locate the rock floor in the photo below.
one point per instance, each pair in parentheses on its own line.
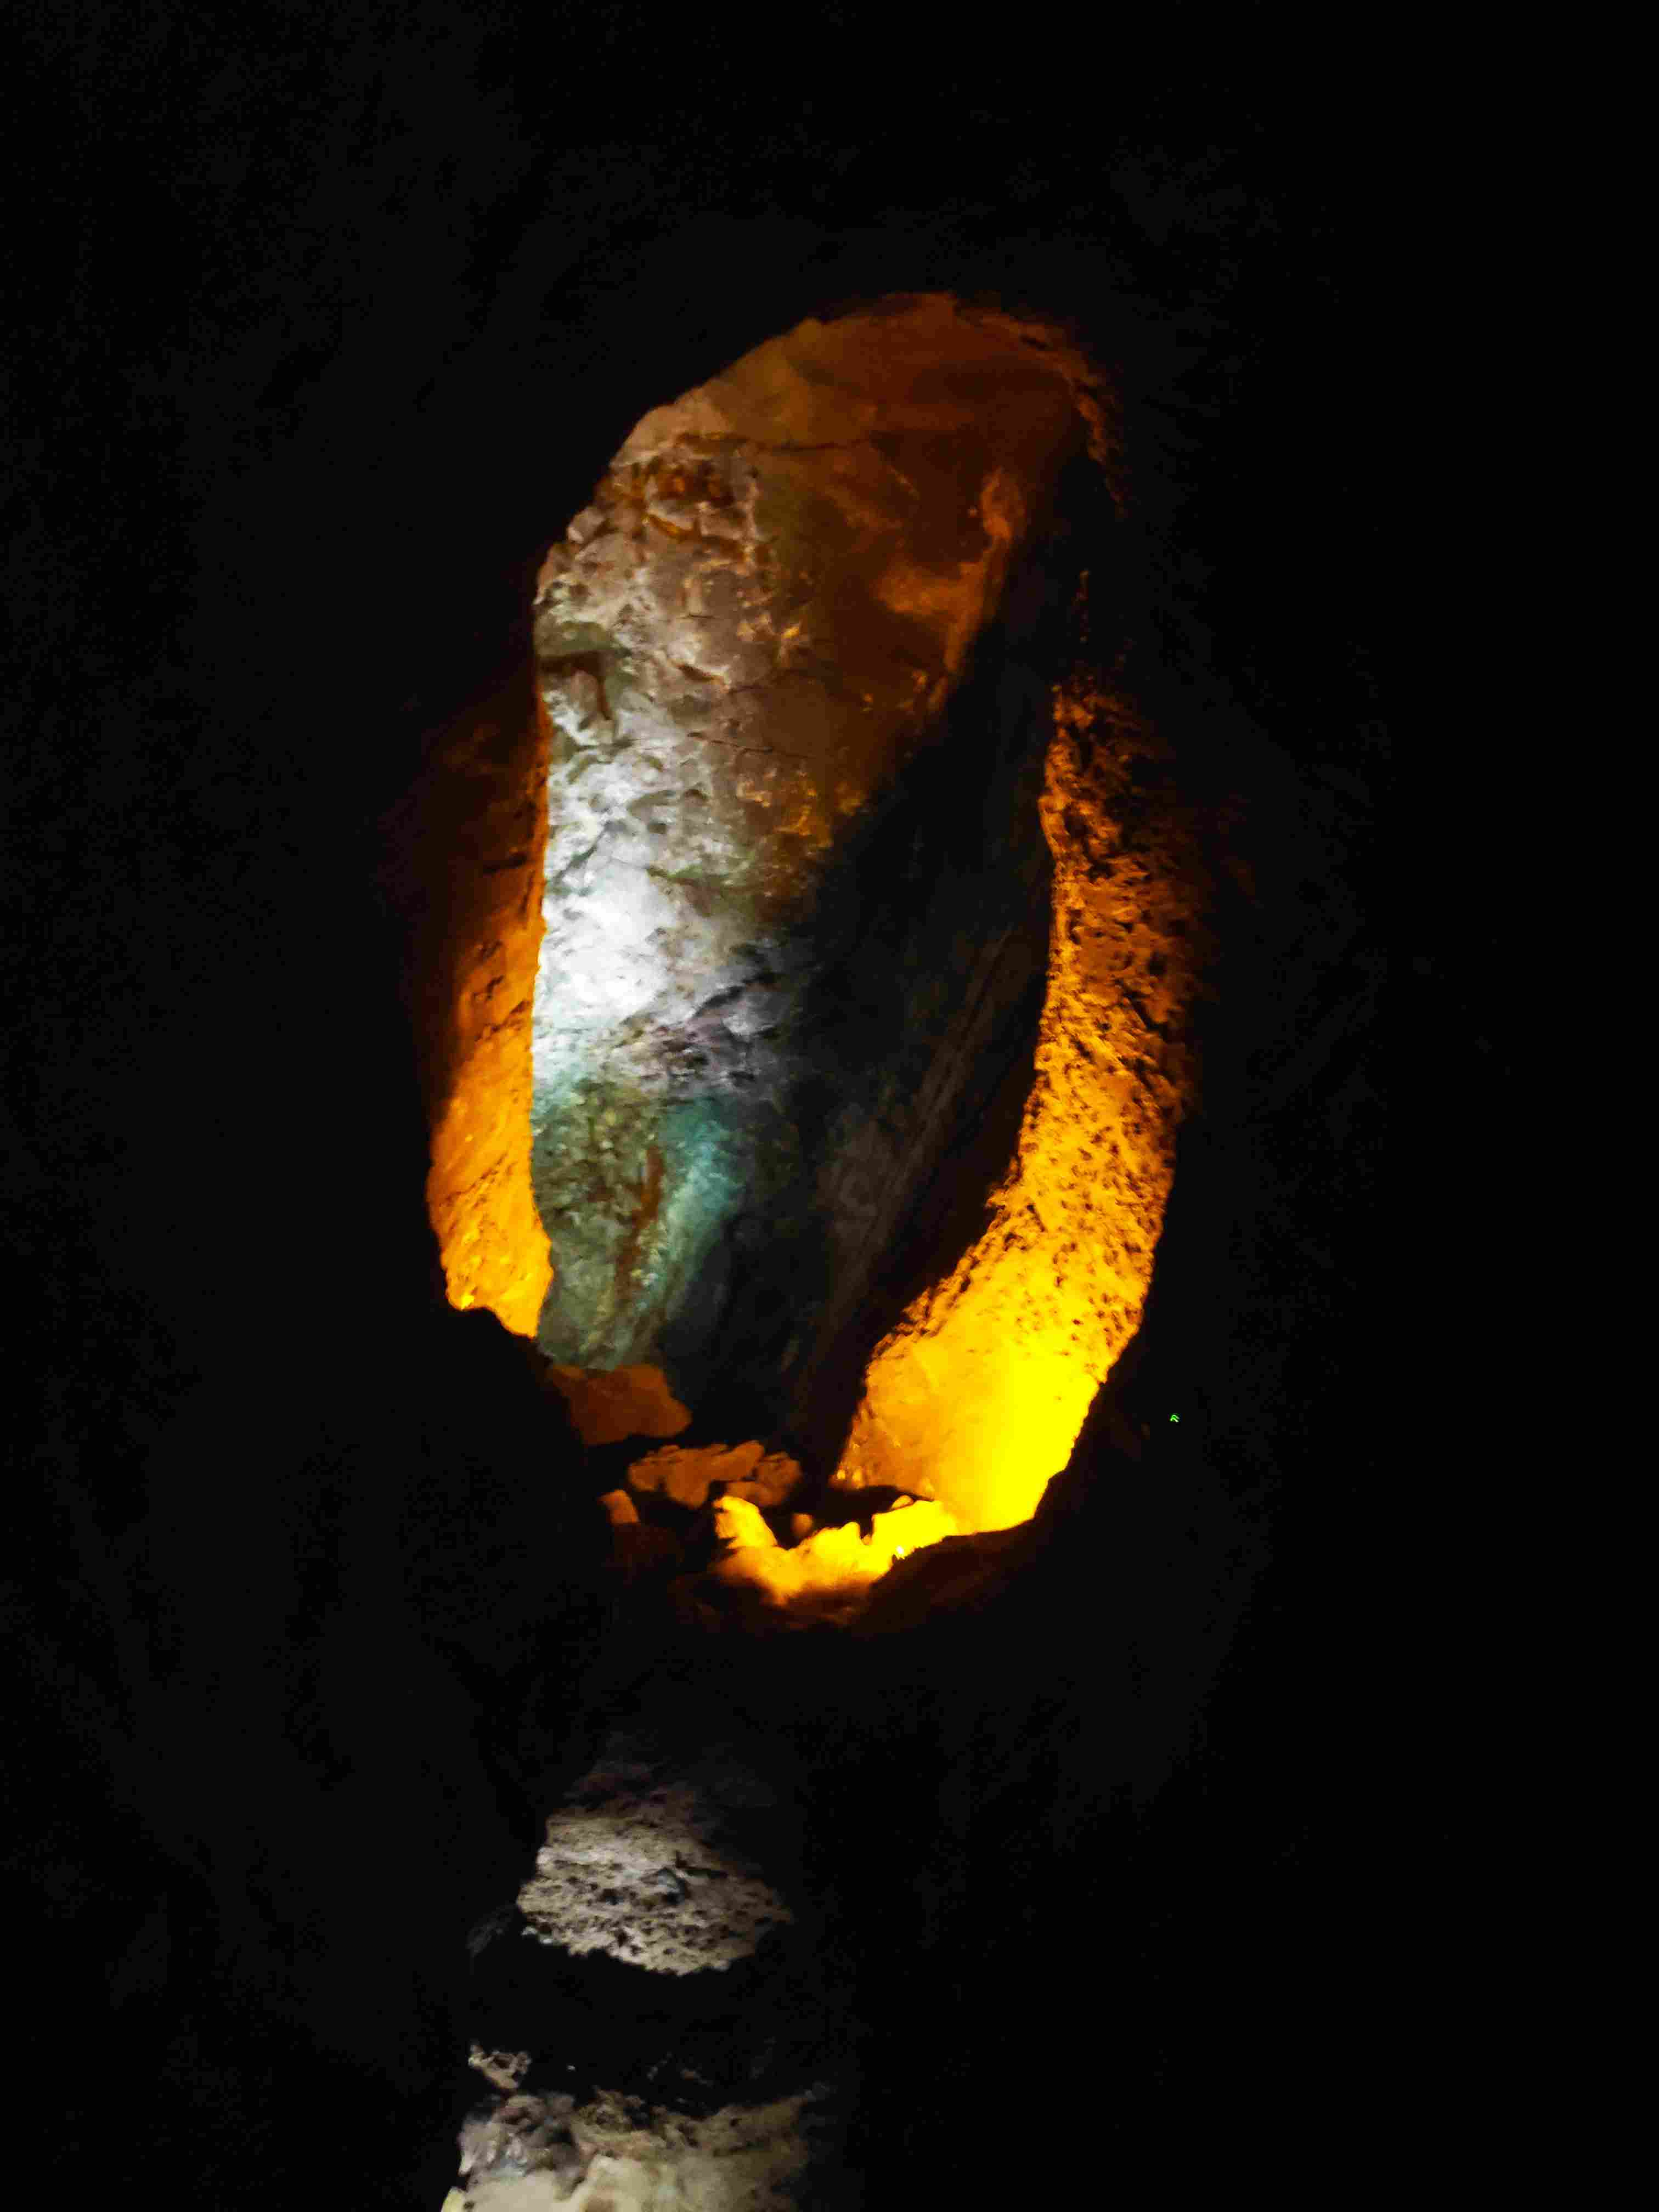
(655,2023)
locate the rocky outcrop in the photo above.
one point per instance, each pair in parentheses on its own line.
(861,1006)
(655,2020)
(637,1863)
(746,1471)
(745,647)
(977,1393)
(619,2155)
(606,1408)
(464,870)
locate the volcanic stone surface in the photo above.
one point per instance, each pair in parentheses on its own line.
(638,1864)
(655,2026)
(977,1392)
(463,872)
(744,645)
(870,923)
(618,2155)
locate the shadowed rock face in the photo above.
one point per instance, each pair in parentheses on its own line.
(745,647)
(465,865)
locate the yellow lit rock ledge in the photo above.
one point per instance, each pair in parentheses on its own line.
(976,1397)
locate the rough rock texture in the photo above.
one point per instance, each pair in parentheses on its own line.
(688,1476)
(741,645)
(637,1863)
(620,2154)
(824,1577)
(800,919)
(466,848)
(700,2051)
(977,1395)
(748,1471)
(628,1402)
(775,1478)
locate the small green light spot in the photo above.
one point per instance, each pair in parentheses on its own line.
(1174,1417)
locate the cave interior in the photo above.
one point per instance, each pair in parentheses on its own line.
(694,1119)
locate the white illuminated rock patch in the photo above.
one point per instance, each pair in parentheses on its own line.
(613,2156)
(741,643)
(635,1865)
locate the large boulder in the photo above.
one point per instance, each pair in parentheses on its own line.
(745,643)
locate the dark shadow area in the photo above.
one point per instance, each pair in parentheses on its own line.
(760,2028)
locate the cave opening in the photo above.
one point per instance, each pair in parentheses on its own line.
(825,924)
(821,1038)
(815,923)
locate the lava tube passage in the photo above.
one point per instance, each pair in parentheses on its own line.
(855,1051)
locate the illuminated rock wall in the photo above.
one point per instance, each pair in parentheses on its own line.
(743,644)
(799,919)
(466,873)
(977,1395)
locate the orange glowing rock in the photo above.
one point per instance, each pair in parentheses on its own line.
(776,1478)
(465,871)
(974,1399)
(830,1573)
(977,1395)
(608,1407)
(739,1524)
(687,1475)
